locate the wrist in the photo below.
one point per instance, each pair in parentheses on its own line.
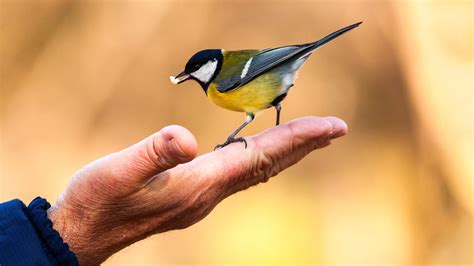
(73,232)
(58,251)
(91,240)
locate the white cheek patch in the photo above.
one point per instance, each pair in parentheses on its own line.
(205,73)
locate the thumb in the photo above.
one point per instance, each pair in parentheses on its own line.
(163,150)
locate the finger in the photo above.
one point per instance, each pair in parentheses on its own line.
(278,148)
(163,150)
(289,137)
(339,127)
(235,168)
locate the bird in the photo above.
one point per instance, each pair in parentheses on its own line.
(250,80)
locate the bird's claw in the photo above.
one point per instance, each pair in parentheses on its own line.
(229,141)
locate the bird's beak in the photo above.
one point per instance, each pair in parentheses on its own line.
(177,80)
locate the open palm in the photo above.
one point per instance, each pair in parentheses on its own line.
(158,185)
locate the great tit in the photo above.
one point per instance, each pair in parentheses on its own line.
(249,80)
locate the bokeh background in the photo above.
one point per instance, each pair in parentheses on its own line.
(81,79)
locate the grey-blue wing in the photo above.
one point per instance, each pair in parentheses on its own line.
(268,59)
(264,61)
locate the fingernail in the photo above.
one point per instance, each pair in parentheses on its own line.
(339,127)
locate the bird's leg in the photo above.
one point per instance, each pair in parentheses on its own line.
(278,109)
(277,104)
(232,138)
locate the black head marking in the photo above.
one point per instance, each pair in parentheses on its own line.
(201,58)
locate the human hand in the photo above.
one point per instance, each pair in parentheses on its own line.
(155,185)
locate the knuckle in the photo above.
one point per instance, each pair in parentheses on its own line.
(194,209)
(321,142)
(265,166)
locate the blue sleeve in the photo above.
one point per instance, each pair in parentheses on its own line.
(27,236)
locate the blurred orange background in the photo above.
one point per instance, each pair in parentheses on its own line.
(81,79)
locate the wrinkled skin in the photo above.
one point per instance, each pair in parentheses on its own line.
(158,185)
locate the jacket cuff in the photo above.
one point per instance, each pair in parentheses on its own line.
(54,245)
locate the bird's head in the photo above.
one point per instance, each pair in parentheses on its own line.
(202,67)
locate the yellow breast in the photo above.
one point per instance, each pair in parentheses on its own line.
(254,96)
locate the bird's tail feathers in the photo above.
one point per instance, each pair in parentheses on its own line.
(333,35)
